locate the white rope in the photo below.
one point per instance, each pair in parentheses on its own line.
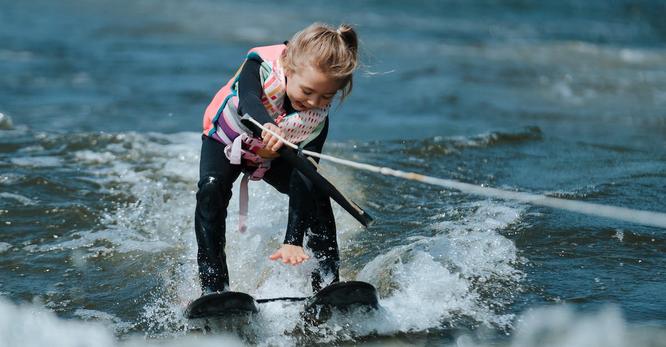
(656,219)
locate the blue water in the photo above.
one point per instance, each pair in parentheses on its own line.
(101,107)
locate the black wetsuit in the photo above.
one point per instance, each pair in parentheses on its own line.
(309,210)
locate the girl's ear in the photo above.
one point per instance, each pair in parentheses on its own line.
(282,59)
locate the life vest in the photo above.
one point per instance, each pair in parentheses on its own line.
(221,119)
(222,122)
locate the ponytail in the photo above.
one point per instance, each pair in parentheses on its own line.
(348,36)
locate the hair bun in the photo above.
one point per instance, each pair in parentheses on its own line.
(348,35)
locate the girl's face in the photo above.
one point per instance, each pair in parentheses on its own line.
(309,88)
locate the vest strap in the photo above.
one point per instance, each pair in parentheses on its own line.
(236,153)
(243,203)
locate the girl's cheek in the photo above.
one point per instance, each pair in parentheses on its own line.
(295,95)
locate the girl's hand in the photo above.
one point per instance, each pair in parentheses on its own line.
(271,142)
(290,254)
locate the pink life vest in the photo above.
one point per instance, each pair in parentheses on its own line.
(221,120)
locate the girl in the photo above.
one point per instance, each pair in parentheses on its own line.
(288,88)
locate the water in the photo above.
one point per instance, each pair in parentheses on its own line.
(101,109)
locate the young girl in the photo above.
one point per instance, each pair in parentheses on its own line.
(288,88)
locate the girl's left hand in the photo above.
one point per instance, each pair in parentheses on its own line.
(290,254)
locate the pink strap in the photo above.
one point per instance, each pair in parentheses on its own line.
(242,218)
(235,151)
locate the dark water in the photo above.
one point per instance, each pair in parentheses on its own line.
(102,106)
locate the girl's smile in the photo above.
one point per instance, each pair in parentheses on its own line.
(310,88)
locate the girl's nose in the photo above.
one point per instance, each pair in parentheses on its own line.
(314,102)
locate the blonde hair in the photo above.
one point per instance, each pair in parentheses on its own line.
(331,51)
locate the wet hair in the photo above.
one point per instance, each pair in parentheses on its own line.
(331,51)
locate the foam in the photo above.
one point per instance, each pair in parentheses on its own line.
(88,156)
(33,326)
(18,198)
(559,326)
(437,279)
(474,246)
(4,247)
(37,161)
(461,253)
(103,317)
(5,122)
(562,326)
(428,295)
(10,178)
(136,166)
(121,241)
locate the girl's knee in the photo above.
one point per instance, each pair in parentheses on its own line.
(213,190)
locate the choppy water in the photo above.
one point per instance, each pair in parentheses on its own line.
(99,144)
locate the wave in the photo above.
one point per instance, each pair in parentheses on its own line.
(440,145)
(5,122)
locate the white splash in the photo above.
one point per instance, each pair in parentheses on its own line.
(436,278)
(4,247)
(424,283)
(562,326)
(33,326)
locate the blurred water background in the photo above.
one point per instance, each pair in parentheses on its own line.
(101,106)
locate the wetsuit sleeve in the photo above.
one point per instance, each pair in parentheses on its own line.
(250,91)
(302,209)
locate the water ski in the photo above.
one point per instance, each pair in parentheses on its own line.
(342,296)
(221,304)
(346,294)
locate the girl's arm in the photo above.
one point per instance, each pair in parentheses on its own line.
(250,91)
(301,212)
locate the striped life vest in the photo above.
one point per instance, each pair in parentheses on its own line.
(222,122)
(221,119)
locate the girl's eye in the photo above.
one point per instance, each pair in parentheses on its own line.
(306,93)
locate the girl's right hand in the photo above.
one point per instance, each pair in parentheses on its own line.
(290,254)
(271,142)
